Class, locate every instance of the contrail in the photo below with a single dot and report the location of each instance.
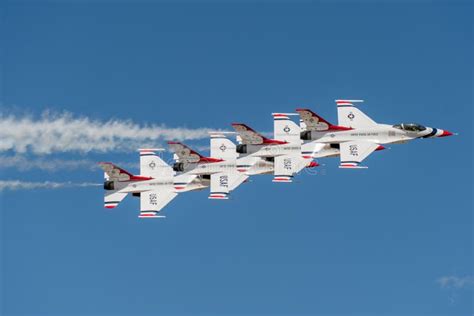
(13, 185)
(66, 133)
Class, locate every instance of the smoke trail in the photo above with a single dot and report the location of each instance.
(65, 133)
(23, 163)
(13, 185)
(457, 282)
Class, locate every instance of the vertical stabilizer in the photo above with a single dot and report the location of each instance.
(151, 165)
(222, 147)
(350, 116)
(285, 129)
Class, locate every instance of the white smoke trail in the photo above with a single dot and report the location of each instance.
(24, 163)
(22, 185)
(457, 282)
(65, 133)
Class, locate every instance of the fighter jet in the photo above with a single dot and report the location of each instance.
(220, 168)
(283, 152)
(356, 136)
(156, 185)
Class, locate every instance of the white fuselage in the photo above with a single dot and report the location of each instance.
(381, 134)
(209, 168)
(180, 183)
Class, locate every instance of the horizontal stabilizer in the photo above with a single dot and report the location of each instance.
(113, 198)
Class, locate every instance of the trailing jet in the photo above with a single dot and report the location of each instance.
(156, 185)
(356, 136)
(220, 168)
(283, 153)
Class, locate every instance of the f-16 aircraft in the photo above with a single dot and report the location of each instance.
(292, 148)
(356, 136)
(156, 185)
(220, 168)
(282, 154)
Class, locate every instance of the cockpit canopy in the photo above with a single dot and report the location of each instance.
(411, 127)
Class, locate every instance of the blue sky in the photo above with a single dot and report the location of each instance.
(340, 242)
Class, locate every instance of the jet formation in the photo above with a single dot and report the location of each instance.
(292, 148)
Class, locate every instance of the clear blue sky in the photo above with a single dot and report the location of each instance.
(342, 242)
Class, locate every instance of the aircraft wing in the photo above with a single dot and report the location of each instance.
(286, 166)
(151, 202)
(224, 182)
(354, 152)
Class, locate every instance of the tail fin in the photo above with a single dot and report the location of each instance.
(313, 122)
(350, 116)
(151, 165)
(285, 129)
(222, 147)
(186, 154)
(115, 179)
(114, 172)
(303, 125)
(247, 135)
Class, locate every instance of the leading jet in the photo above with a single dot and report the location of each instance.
(356, 136)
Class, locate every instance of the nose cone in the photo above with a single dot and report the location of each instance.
(445, 133)
(437, 132)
